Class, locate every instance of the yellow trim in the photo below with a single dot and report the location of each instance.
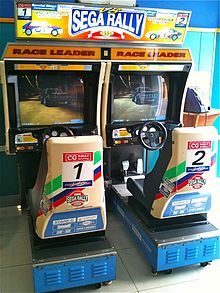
(150, 54)
(52, 52)
(105, 103)
(190, 29)
(203, 30)
(7, 20)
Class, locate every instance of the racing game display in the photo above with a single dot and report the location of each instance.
(50, 99)
(139, 97)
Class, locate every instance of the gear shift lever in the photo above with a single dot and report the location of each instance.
(125, 166)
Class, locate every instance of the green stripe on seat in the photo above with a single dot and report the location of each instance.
(53, 185)
(175, 171)
(97, 157)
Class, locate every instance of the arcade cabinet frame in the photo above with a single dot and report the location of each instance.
(167, 244)
(66, 262)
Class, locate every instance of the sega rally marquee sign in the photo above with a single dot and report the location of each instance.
(87, 23)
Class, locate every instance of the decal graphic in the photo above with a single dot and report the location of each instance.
(77, 199)
(54, 188)
(68, 21)
(73, 222)
(166, 187)
(45, 205)
(77, 169)
(109, 23)
(180, 171)
(188, 203)
(197, 182)
(120, 133)
(24, 11)
(41, 27)
(198, 156)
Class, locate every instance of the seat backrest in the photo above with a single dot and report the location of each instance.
(180, 183)
(186, 185)
(68, 197)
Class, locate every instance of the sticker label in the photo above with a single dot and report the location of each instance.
(198, 156)
(121, 133)
(24, 11)
(77, 199)
(166, 187)
(45, 205)
(188, 203)
(25, 138)
(77, 169)
(197, 182)
(64, 226)
(86, 223)
(182, 19)
(195, 145)
(75, 221)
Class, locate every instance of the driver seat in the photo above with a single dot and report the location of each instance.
(68, 196)
(180, 183)
(145, 190)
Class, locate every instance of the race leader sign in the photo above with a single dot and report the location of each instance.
(78, 22)
(75, 53)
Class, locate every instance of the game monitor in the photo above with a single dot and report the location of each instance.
(153, 94)
(143, 92)
(138, 97)
(43, 100)
(43, 95)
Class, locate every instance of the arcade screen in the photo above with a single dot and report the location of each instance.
(47, 99)
(139, 97)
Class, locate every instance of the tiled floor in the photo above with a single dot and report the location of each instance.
(133, 272)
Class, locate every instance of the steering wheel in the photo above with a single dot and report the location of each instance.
(56, 131)
(152, 135)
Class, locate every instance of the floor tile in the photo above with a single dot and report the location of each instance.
(123, 283)
(211, 271)
(119, 236)
(112, 218)
(133, 271)
(17, 279)
(14, 224)
(1, 252)
(191, 286)
(15, 249)
(140, 271)
(11, 211)
(1, 279)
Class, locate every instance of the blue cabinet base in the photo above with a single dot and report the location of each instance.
(72, 261)
(76, 273)
(172, 248)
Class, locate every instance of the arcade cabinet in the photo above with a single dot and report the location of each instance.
(165, 206)
(52, 111)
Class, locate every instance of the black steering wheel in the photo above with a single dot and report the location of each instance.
(152, 135)
(56, 131)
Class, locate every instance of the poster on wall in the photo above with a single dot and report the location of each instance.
(91, 23)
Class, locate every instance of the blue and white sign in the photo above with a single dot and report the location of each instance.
(109, 19)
